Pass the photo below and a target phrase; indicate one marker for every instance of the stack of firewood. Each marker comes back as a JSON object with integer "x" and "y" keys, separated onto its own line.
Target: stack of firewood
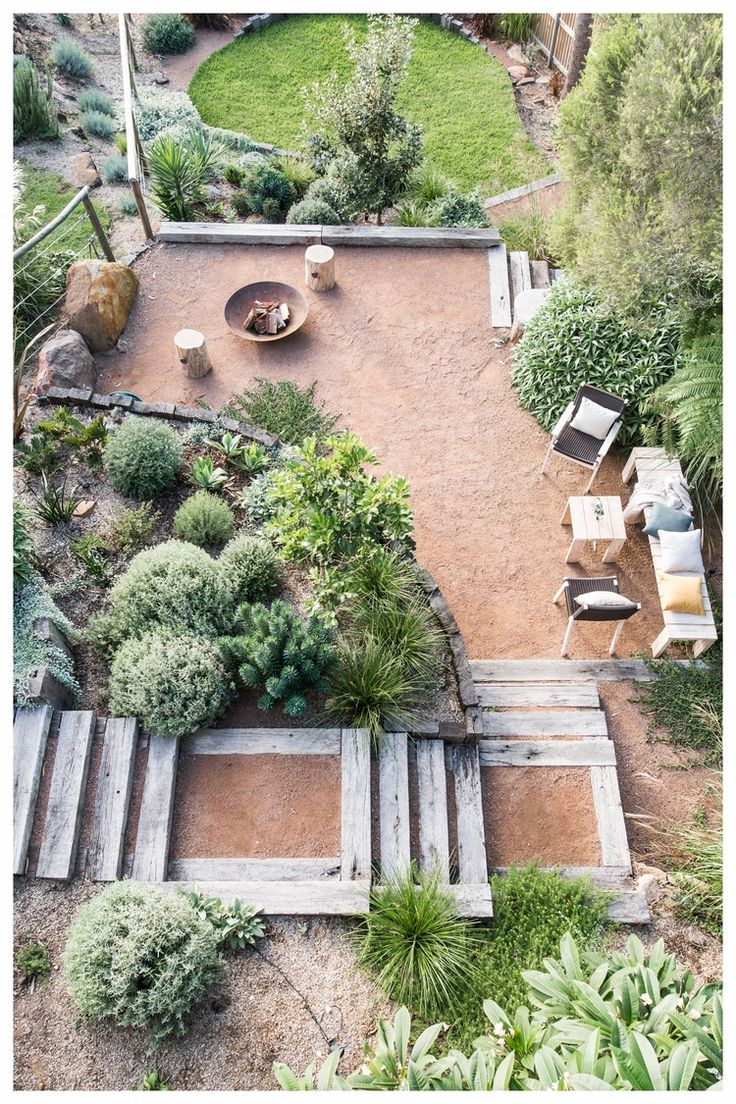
{"x": 266, "y": 317}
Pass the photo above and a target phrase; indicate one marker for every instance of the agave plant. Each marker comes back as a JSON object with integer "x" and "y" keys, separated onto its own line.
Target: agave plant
{"x": 206, "y": 475}
{"x": 229, "y": 445}
{"x": 178, "y": 176}
{"x": 253, "y": 459}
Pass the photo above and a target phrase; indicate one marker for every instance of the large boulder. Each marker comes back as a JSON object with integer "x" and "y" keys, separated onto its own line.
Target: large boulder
{"x": 65, "y": 361}
{"x": 99, "y": 297}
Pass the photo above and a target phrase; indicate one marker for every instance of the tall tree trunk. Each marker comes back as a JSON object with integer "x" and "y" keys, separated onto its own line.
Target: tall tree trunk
{"x": 580, "y": 47}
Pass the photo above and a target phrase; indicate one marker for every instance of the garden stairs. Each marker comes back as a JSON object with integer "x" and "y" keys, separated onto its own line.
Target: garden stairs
{"x": 510, "y": 274}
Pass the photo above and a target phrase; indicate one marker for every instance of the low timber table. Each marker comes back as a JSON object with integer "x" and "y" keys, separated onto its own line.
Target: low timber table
{"x": 594, "y": 518}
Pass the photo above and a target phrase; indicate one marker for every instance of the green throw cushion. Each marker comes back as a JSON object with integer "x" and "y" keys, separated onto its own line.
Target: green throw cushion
{"x": 664, "y": 517}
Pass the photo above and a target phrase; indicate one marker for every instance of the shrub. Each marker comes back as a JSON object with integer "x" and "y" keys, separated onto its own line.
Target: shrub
{"x": 167, "y": 33}
{"x": 427, "y": 184}
{"x": 256, "y": 500}
{"x": 240, "y": 203}
{"x": 32, "y": 961}
{"x": 573, "y": 339}
{"x": 179, "y": 170}
{"x": 271, "y": 210}
{"x": 93, "y": 99}
{"x": 143, "y": 458}
{"x": 208, "y": 476}
{"x": 174, "y": 585}
{"x": 132, "y": 529}
{"x": 237, "y": 925}
{"x": 329, "y": 507}
{"x": 33, "y": 110}
{"x": 174, "y": 683}
{"x": 280, "y": 654}
{"x": 265, "y": 182}
{"x": 289, "y": 412}
{"x": 252, "y": 566}
{"x": 114, "y": 171}
{"x": 411, "y": 213}
{"x": 204, "y": 519}
{"x": 298, "y": 172}
{"x": 415, "y": 945}
{"x": 528, "y": 231}
{"x": 29, "y": 651}
{"x": 159, "y": 111}
{"x": 94, "y": 122}
{"x": 141, "y": 956}
{"x": 328, "y": 190}
{"x": 234, "y": 175}
{"x": 371, "y": 688}
{"x": 72, "y": 59}
{"x": 314, "y": 212}
{"x": 458, "y": 209}
{"x": 23, "y": 548}
{"x": 253, "y": 459}
{"x": 127, "y": 204}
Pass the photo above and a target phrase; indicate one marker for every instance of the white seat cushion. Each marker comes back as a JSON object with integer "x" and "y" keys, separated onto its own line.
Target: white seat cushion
{"x": 603, "y": 598}
{"x": 593, "y": 419}
{"x": 680, "y": 552}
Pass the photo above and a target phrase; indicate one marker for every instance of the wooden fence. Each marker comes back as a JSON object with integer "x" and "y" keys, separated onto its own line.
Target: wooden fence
{"x": 136, "y": 156}
{"x": 555, "y": 35}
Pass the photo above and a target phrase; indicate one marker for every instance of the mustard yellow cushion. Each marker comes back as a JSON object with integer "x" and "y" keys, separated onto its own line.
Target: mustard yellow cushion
{"x": 681, "y": 593}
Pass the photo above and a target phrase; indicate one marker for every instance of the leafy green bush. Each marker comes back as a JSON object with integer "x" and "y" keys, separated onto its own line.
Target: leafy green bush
{"x": 314, "y": 212}
{"x": 329, "y": 507}
{"x": 98, "y": 124}
{"x": 206, "y": 475}
{"x": 173, "y": 586}
{"x": 33, "y": 110}
{"x": 132, "y": 529}
{"x": 159, "y": 111}
{"x": 271, "y": 210}
{"x": 280, "y": 654}
{"x": 94, "y": 99}
{"x": 240, "y": 203}
{"x": 179, "y": 170}
{"x": 71, "y": 59}
{"x": 140, "y": 956}
{"x": 415, "y": 945}
{"x": 252, "y": 566}
{"x": 629, "y": 1022}
{"x": 32, "y": 961}
{"x": 255, "y": 499}
{"x": 167, "y": 33}
{"x": 574, "y": 339}
{"x": 175, "y": 683}
{"x": 458, "y": 209}
{"x": 327, "y": 189}
{"x": 30, "y": 602}
{"x": 204, "y": 519}
{"x": 283, "y": 408}
{"x": 265, "y": 181}
{"x": 115, "y": 171}
{"x": 143, "y": 458}
{"x": 253, "y": 459}
{"x": 23, "y": 547}
{"x": 237, "y": 925}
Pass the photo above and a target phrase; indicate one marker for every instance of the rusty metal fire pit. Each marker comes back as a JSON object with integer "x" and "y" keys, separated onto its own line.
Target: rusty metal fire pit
{"x": 241, "y": 302}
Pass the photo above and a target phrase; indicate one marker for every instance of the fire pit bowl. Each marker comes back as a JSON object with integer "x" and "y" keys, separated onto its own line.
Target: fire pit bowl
{"x": 241, "y": 301}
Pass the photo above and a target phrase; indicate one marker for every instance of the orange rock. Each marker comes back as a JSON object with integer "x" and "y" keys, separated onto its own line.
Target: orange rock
{"x": 99, "y": 297}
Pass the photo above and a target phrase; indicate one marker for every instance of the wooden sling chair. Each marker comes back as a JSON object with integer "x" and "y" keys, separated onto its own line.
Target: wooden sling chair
{"x": 579, "y": 447}
{"x": 576, "y": 588}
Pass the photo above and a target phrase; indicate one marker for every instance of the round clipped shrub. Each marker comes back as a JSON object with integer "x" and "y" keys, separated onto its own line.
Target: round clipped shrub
{"x": 98, "y": 124}
{"x": 252, "y": 566}
{"x": 140, "y": 956}
{"x": 115, "y": 170}
{"x": 204, "y": 519}
{"x": 71, "y": 59}
{"x": 313, "y": 212}
{"x": 174, "y": 684}
{"x": 167, "y": 33}
{"x": 142, "y": 458}
{"x": 94, "y": 99}
{"x": 174, "y": 585}
{"x": 572, "y": 339}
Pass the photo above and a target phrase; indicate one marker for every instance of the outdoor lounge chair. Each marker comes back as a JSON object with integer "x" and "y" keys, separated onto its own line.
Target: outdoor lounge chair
{"x": 576, "y": 588}
{"x": 580, "y": 447}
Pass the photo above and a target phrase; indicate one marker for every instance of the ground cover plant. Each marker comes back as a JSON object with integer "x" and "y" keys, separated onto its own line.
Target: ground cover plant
{"x": 141, "y": 957}
{"x": 32, "y": 601}
{"x": 630, "y": 1021}
{"x": 72, "y": 60}
{"x": 32, "y": 961}
{"x": 290, "y": 412}
{"x": 456, "y": 92}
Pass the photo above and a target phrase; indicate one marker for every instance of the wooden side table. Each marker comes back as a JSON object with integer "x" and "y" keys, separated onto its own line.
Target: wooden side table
{"x": 594, "y": 518}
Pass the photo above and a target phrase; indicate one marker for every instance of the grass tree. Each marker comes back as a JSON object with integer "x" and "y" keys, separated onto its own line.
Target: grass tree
{"x": 357, "y": 134}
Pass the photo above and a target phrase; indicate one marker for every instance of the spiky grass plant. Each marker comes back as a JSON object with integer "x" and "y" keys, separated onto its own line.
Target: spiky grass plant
{"x": 415, "y": 945}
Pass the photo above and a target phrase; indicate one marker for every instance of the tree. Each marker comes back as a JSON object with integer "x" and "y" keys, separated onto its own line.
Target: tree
{"x": 641, "y": 146}
{"x": 368, "y": 149}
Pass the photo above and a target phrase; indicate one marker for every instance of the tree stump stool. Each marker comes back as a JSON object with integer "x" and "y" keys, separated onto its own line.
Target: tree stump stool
{"x": 319, "y": 267}
{"x": 192, "y": 352}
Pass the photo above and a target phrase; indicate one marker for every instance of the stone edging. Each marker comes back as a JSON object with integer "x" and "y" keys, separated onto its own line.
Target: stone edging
{"x": 85, "y": 397}
{"x": 78, "y": 396}
{"x": 524, "y": 190}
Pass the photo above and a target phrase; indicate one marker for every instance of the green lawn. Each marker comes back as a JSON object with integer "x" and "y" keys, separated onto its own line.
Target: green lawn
{"x": 54, "y": 193}
{"x": 460, "y": 94}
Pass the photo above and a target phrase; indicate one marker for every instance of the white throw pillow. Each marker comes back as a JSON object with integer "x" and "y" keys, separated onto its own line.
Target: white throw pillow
{"x": 603, "y": 598}
{"x": 593, "y": 419}
{"x": 681, "y": 552}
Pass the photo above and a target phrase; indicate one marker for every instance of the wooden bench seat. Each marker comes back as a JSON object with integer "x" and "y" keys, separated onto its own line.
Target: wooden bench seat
{"x": 697, "y": 629}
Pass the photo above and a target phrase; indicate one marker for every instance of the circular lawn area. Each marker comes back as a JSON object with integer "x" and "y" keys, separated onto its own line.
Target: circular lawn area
{"x": 459, "y": 93}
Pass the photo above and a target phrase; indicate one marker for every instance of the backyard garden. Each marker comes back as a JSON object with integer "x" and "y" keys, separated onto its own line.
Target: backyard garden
{"x": 260, "y": 579}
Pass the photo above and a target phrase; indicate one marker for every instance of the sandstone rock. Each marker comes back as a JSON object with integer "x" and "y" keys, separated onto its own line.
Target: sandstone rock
{"x": 84, "y": 172}
{"x": 649, "y": 886}
{"x": 85, "y": 507}
{"x": 516, "y": 53}
{"x": 99, "y": 297}
{"x": 526, "y": 80}
{"x": 655, "y": 871}
{"x": 517, "y": 73}
{"x": 65, "y": 361}
{"x": 160, "y": 78}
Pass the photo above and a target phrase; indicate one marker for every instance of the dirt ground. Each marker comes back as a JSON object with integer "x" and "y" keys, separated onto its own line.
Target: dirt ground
{"x": 433, "y": 400}
{"x": 253, "y": 1018}
{"x": 257, "y": 806}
